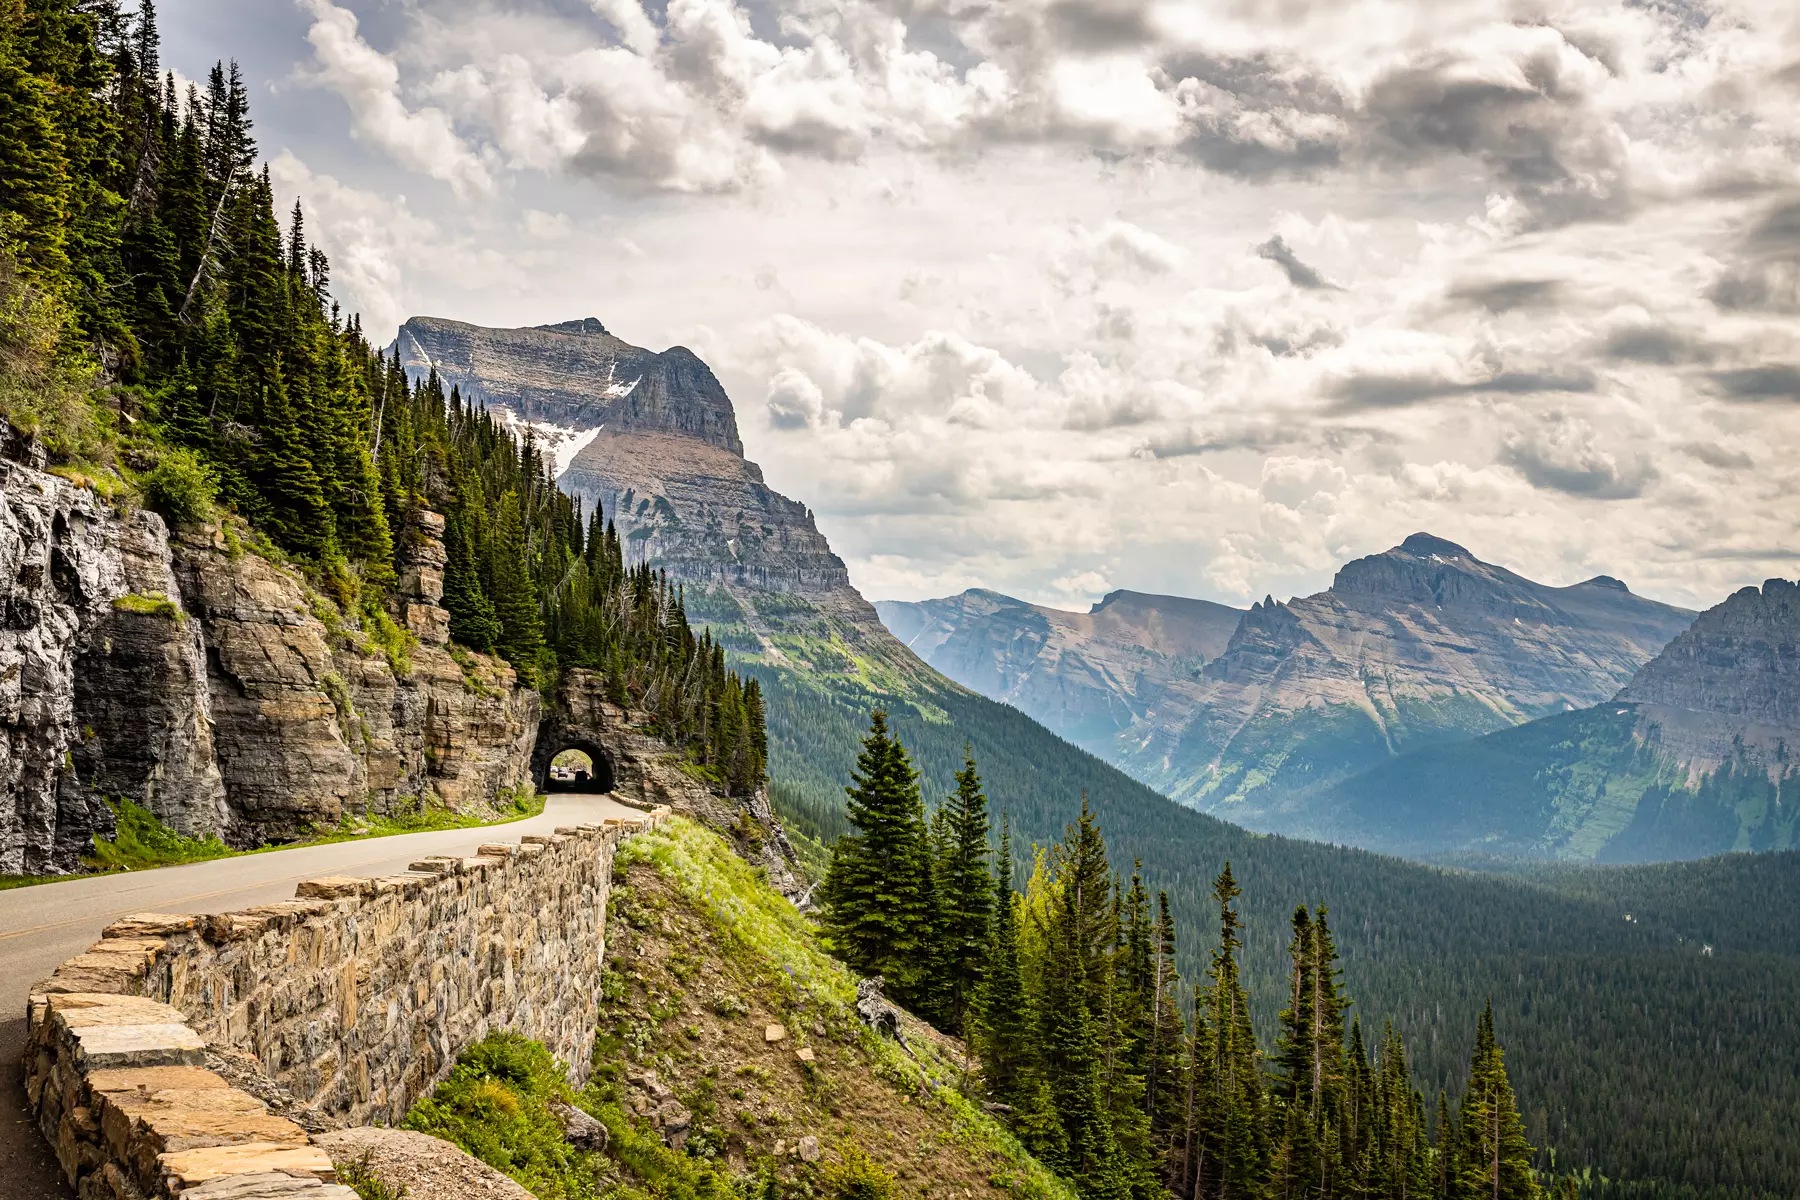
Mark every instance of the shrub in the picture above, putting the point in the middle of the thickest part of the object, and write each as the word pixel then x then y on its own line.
pixel 495 1105
pixel 858 1177
pixel 360 1178
pixel 181 488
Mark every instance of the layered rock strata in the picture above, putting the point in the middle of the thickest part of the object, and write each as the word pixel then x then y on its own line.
pixel 652 441
pixel 216 689
pixel 1728 689
pixel 1422 644
pixel 355 998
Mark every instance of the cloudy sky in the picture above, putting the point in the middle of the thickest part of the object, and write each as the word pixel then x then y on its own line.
pixel 1057 296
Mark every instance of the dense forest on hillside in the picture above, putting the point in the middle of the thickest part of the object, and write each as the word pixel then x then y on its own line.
pixel 168 338
pixel 1125 1082
pixel 1634 1053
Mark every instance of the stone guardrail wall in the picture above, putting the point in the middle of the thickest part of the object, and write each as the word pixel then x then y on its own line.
pixel 355 997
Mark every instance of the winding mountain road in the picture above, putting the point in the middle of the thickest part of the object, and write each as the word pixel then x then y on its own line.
pixel 41 926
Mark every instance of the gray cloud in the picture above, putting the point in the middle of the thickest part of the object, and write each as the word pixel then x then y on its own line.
pixel 1359 393
pixel 1277 251
pixel 1098 26
pixel 1765 271
pixel 1540 137
pixel 1263 115
pixel 1505 295
pixel 1715 455
pixel 1656 344
pixel 1283 346
pixel 1562 456
pixel 1769 381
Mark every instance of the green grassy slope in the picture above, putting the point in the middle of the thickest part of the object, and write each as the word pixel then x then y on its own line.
pixel 1634 1052
pixel 1585 785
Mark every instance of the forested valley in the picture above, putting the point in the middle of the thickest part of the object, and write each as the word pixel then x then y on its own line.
pixel 1636 1054
pixel 1110 1070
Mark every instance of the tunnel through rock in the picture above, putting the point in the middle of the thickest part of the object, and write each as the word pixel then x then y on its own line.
pixel 577 767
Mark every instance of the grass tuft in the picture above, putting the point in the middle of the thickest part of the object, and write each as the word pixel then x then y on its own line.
pixel 140 840
pixel 359 1177
pixel 153 604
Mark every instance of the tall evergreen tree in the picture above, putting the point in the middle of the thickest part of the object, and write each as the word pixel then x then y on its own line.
pixel 965 894
pixel 1493 1159
pixel 877 897
pixel 514 597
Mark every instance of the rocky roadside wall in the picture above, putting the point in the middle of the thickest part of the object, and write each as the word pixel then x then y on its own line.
pixel 214 688
pixel 352 1000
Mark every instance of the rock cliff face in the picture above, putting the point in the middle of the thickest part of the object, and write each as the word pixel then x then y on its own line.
pixel 1087 676
pixel 92 637
pixel 1728 689
pixel 652 440
pixel 575 376
pixel 215 689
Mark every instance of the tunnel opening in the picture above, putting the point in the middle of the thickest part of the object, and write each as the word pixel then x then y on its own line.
pixel 577 767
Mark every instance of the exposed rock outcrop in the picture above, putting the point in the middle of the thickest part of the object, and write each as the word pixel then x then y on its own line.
pixel 93 636
pixel 1728 689
pixel 214 688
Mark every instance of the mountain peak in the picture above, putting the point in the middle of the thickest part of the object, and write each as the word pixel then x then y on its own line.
pixel 583 325
pixel 1605 581
pixel 1425 544
pixel 571 377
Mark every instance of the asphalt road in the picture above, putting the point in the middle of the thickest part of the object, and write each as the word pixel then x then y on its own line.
pixel 44 925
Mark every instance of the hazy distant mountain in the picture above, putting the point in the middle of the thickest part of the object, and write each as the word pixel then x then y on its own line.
pixel 1421 644
pixel 1087 676
pixel 1692 758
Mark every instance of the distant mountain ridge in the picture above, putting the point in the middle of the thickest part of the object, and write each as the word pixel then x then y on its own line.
pixel 1417 645
pixel 1691 758
pixel 1086 676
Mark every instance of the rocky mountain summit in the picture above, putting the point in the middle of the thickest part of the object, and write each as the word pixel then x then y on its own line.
pixel 652 439
pixel 1087 676
pixel 1691 758
pixel 574 376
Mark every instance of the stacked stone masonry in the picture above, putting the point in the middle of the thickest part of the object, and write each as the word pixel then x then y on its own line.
pixel 355 997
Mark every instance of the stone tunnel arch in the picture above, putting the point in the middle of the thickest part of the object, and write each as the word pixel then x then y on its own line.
pixel 604 776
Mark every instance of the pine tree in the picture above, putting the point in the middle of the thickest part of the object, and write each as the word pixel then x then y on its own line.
pixel 1493 1160
pixel 877 896
pixel 1072 1039
pixel 1164 1080
pixel 472 619
pixel 965 895
pixel 515 599
pixel 1001 1028
pixel 1237 1074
